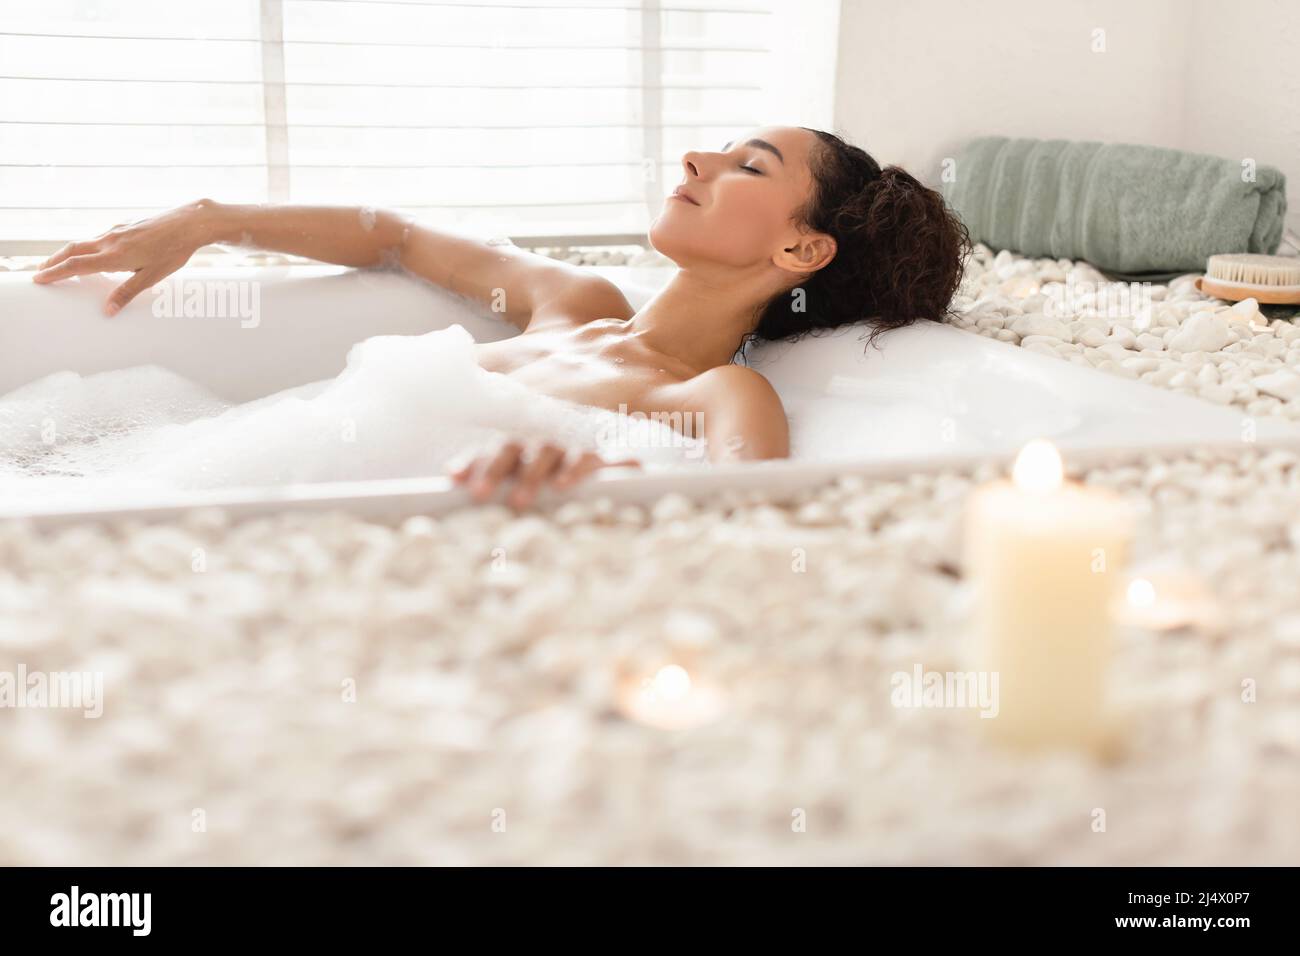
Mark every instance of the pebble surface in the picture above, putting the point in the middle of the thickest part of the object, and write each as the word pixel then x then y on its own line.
pixel 324 689
pixel 1171 336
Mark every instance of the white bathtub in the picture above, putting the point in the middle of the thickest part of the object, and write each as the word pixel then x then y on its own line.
pixel 932 397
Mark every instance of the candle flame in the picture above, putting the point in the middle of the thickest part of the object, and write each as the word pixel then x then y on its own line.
pixel 671 683
pixel 1165 598
pixel 670 698
pixel 1141 593
pixel 1038 467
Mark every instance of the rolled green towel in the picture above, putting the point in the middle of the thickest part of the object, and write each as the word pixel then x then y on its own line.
pixel 1129 210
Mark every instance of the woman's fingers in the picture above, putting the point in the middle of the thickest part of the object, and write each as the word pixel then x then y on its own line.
pixel 129 289
pixel 71 249
pixel 494 470
pixel 79 265
pixel 461 469
pixel 530 470
pixel 575 468
pixel 535 471
pixel 580 466
pixel 623 463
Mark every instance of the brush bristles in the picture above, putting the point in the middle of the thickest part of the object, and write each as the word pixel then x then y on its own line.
pixel 1277 271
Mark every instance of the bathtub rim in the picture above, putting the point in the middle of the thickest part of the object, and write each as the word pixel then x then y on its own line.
pixel 395 499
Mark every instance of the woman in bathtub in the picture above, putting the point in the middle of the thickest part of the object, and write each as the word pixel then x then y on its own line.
pixel 780 233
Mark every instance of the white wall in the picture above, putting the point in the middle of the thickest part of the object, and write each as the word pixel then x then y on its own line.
pixel 802 32
pixel 917 79
pixel 1242 86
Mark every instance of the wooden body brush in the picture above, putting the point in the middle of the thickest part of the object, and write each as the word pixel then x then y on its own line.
pixel 1269 280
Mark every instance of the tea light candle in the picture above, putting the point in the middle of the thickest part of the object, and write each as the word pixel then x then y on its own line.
pixel 670 699
pixel 1044 557
pixel 1165 599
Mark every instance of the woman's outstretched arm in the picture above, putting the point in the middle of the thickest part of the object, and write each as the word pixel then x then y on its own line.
pixel 511 281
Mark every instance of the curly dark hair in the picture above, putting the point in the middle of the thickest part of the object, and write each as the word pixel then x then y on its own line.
pixel 900 252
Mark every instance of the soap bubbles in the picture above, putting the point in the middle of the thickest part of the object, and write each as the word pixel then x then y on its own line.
pixel 408 404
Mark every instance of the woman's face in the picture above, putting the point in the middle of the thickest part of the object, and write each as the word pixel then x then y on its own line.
pixel 736 206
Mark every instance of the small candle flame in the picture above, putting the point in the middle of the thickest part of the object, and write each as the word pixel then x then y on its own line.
pixel 1165 598
pixel 670 699
pixel 1141 593
pixel 1038 467
pixel 671 683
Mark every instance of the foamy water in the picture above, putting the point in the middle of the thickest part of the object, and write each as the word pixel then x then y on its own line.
pixel 404 406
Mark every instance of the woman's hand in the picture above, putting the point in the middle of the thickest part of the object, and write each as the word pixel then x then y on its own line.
pixel 151 248
pixel 529 465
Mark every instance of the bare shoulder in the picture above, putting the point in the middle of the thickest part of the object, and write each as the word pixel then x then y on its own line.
pixel 742 412
pixel 580 297
pixel 735 381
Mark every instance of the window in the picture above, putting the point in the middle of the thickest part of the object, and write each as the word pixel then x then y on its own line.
pixel 532 118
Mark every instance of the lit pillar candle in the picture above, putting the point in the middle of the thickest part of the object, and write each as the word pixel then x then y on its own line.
pixel 1044 557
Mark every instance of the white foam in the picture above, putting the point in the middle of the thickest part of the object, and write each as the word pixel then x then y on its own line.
pixel 62 428
pixel 404 406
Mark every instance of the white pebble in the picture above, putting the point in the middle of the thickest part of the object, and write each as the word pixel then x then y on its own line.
pixel 1263 406
pixel 1245 310
pixel 1037 324
pixel 1029 341
pixel 1283 384
pixel 1140 365
pixel 1123 337
pixel 1042 347
pixel 1203 332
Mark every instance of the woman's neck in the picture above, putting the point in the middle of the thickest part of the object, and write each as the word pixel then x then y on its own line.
pixel 699 319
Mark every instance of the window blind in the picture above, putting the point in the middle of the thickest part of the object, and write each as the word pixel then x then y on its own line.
pixel 526 118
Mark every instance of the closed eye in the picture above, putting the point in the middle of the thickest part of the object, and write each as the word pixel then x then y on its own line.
pixel 751 169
